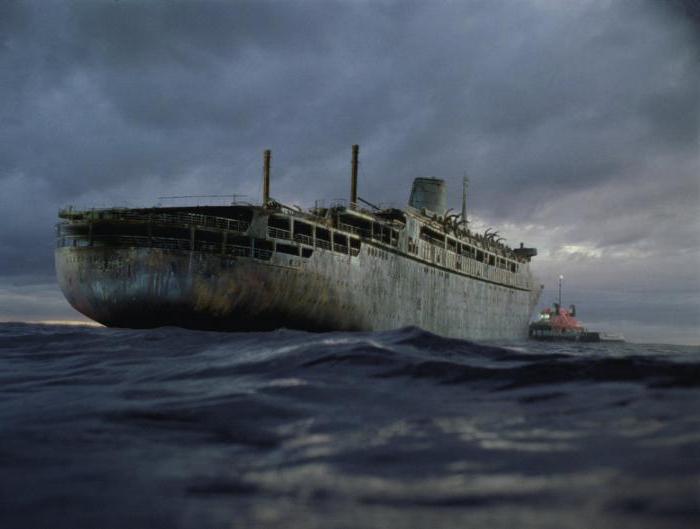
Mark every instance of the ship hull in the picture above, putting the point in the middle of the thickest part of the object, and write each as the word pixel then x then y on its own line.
pixel 374 290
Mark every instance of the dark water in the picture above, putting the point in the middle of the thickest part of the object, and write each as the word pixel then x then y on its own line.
pixel 171 428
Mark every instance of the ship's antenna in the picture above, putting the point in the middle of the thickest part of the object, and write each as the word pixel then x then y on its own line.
pixel 353 182
pixel 267 155
pixel 465 186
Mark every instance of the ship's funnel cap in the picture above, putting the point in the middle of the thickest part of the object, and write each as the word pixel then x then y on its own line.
pixel 429 193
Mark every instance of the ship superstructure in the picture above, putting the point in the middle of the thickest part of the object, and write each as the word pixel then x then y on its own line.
pixel 248 267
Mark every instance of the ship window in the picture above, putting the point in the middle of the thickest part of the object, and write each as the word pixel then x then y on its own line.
pixel 431 236
pixel 306 252
pixel 281 223
pixel 302 228
pixel 106 228
pixel 323 238
pixel 263 248
pixel 303 232
pixel 238 213
pixel 238 245
pixel 479 256
pixel 170 232
pixel 77 229
pixel 354 224
pixel 288 249
pixel 340 242
pixel 492 260
pixel 451 244
pixel 386 235
pixel 208 236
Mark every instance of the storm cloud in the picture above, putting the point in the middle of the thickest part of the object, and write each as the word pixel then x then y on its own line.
pixel 577 123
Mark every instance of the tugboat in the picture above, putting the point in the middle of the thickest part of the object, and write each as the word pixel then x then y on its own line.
pixel 559 324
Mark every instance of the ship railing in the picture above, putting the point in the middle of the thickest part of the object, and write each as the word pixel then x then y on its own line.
pixel 320 243
pixel 340 248
pixel 200 220
pixel 168 244
pixel 141 241
pixel 206 246
pixel 304 239
pixel 246 251
pixel 278 233
pixel 468 265
pixel 71 241
pixel 196 219
pixel 237 251
pixel 259 253
pixel 165 242
pixel 293 211
pixel 431 240
pixel 354 229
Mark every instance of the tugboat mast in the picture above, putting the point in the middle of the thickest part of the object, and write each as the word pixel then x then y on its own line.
pixel 561 278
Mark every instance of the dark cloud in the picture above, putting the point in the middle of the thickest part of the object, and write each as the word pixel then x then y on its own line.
pixel 577 122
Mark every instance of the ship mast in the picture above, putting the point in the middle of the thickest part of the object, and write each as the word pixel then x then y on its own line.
pixel 353 181
pixel 465 186
pixel 266 176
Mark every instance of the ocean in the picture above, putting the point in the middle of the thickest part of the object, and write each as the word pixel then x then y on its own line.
pixel 111 428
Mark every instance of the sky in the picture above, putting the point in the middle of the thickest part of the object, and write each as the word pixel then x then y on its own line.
pixel 577 122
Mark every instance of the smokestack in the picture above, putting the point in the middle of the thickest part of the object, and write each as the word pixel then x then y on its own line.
pixel 266 176
pixel 429 193
pixel 353 184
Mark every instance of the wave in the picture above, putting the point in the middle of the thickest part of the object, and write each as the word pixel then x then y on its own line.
pixel 399 428
pixel 410 353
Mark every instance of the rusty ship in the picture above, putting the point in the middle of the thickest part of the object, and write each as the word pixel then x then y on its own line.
pixel 255 267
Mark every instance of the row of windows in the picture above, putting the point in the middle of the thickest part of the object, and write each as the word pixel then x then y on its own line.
pixel 203 241
pixel 434 250
pixel 377 253
pixel 301 232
